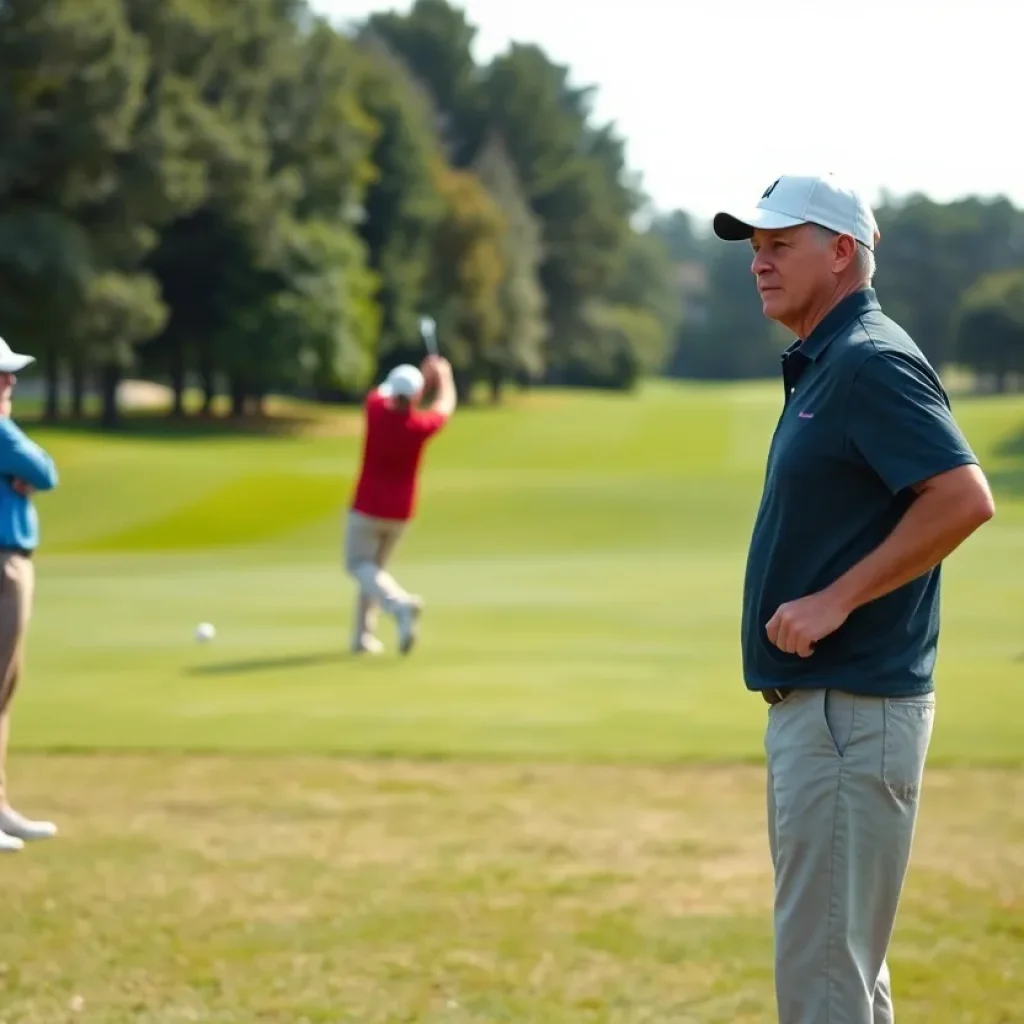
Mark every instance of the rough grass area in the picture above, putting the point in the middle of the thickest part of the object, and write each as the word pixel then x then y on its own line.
pixel 240 890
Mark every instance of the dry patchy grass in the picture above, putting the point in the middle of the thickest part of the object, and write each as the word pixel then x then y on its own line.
pixel 291 890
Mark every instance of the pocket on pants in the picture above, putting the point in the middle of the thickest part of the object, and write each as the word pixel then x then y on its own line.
pixel 839 710
pixel 908 733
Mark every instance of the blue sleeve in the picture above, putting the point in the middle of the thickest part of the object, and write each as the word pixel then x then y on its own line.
pixel 899 421
pixel 24 459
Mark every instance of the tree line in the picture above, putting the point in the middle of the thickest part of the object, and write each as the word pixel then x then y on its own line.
pixel 246 198
pixel 951 273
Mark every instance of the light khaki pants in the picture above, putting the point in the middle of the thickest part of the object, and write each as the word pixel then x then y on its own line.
pixel 17 584
pixel 369 543
pixel 844 779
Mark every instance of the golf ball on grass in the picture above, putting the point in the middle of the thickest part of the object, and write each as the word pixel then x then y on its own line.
pixel 205 632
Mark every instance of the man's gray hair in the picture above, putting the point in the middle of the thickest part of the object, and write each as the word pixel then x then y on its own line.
pixel 865 256
pixel 866 262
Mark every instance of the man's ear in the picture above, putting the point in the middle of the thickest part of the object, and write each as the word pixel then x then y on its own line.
pixel 846 253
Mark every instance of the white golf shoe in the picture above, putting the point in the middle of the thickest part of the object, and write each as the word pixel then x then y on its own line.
pixel 408 617
pixel 10 844
pixel 367 644
pixel 17 826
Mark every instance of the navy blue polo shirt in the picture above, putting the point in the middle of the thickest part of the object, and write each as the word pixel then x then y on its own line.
pixel 865 418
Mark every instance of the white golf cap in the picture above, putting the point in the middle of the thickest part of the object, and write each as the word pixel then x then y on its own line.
pixel 792 200
pixel 11 361
pixel 405 381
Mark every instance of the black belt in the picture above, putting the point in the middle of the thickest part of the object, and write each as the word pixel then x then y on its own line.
pixel 24 552
pixel 776 694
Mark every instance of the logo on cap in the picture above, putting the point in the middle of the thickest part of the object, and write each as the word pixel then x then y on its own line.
pixel 770 189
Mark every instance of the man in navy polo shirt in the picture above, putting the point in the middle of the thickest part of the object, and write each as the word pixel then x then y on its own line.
pixel 870 484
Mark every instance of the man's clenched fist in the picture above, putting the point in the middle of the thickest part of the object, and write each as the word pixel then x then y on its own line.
pixel 798 625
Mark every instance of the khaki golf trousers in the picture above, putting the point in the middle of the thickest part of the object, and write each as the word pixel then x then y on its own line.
pixel 17 583
pixel 369 543
pixel 844 778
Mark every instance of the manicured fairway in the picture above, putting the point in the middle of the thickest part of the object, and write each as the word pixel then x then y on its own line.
pixel 581 559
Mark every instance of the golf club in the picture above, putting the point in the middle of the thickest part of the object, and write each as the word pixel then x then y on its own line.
pixel 428 329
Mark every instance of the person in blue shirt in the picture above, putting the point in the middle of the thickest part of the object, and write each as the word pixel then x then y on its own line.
pixel 24 469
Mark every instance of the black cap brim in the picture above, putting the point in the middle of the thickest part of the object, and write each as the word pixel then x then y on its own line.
pixel 731 229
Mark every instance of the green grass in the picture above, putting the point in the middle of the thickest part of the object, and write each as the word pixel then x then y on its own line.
pixel 581 558
pixel 556 824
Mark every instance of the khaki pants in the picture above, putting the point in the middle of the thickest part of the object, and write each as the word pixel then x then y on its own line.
pixel 844 779
pixel 17 583
pixel 369 543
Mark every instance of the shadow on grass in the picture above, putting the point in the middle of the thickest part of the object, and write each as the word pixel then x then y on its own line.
pixel 161 426
pixel 227 668
pixel 282 417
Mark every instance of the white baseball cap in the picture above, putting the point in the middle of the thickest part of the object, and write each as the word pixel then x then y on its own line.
pixel 11 361
pixel 405 381
pixel 792 200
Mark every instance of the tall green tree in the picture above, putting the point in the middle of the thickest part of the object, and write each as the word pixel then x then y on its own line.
pixel 572 173
pixel 467 273
pixel 645 283
pixel 434 40
pixel 72 77
pixel 220 67
pixel 676 230
pixel 268 280
pixel 989 327
pixel 402 206
pixel 569 174
pixel 930 253
pixel 732 339
pixel 519 354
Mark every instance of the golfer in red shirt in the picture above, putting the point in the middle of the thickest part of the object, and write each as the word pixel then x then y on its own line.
pixel 397 431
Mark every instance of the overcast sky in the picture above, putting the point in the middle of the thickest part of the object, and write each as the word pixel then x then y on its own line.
pixel 717 99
